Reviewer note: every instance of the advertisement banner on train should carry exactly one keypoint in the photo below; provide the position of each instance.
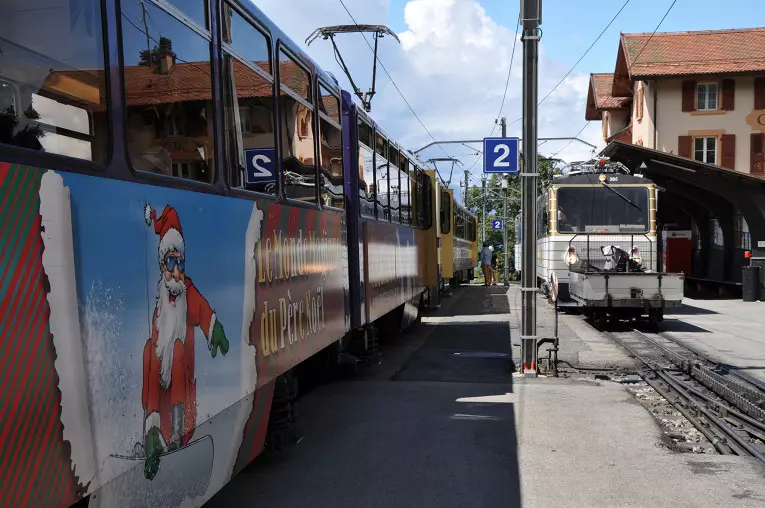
(139, 321)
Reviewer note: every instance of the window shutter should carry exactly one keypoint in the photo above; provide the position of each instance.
(728, 94)
(728, 153)
(684, 146)
(756, 156)
(759, 93)
(640, 104)
(689, 96)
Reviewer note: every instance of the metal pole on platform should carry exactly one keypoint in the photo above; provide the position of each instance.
(483, 212)
(531, 17)
(505, 185)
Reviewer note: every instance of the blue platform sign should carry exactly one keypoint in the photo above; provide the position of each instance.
(496, 224)
(261, 165)
(501, 155)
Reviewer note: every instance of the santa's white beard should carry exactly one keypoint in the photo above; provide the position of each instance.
(171, 324)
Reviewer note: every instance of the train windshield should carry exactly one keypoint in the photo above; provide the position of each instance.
(601, 210)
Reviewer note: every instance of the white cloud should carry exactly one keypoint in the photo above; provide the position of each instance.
(451, 65)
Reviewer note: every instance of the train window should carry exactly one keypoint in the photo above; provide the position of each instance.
(53, 86)
(298, 130)
(381, 177)
(331, 150)
(424, 200)
(366, 170)
(169, 122)
(592, 209)
(248, 105)
(394, 181)
(446, 213)
(196, 10)
(406, 192)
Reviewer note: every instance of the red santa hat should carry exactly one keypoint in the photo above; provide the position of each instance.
(168, 227)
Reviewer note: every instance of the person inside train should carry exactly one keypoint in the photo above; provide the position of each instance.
(486, 254)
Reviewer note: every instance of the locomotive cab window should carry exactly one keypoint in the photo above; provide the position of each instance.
(248, 105)
(169, 123)
(298, 130)
(52, 79)
(601, 210)
(330, 150)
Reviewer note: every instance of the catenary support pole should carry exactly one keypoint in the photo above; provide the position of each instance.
(483, 211)
(531, 17)
(505, 185)
(467, 186)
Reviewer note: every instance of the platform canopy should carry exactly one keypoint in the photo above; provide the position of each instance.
(702, 191)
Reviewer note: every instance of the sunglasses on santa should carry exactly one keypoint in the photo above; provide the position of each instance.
(171, 262)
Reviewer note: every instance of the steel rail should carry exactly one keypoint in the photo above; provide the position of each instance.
(721, 426)
(745, 398)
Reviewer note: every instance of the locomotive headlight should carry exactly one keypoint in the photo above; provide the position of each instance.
(635, 255)
(571, 257)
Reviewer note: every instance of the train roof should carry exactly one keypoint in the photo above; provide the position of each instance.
(277, 34)
(592, 179)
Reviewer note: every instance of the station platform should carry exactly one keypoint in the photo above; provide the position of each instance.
(728, 331)
(445, 422)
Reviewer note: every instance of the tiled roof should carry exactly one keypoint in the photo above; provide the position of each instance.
(601, 84)
(694, 53)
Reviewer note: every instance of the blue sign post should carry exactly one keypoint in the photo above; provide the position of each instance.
(501, 155)
(496, 224)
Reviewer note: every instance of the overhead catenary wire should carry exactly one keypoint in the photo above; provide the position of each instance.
(580, 58)
(652, 34)
(669, 9)
(393, 82)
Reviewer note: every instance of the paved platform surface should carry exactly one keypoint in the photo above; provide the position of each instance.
(443, 423)
(729, 331)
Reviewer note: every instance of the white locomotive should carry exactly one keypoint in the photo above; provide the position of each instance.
(596, 234)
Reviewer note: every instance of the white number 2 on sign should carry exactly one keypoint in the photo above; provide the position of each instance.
(501, 162)
(260, 171)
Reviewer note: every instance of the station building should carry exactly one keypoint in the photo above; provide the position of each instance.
(687, 110)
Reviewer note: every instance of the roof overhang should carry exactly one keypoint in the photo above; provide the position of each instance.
(669, 164)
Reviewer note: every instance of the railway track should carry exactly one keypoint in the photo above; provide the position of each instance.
(727, 406)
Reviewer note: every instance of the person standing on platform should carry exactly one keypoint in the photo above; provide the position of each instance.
(486, 254)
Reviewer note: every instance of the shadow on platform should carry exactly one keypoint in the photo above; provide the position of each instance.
(439, 433)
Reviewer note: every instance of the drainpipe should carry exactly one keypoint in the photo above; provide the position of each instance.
(655, 109)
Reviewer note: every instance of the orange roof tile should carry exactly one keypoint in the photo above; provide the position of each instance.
(601, 84)
(694, 53)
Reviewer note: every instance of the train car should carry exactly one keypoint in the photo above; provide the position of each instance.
(457, 240)
(465, 245)
(596, 230)
(196, 220)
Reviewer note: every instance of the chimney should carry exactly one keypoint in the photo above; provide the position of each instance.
(166, 56)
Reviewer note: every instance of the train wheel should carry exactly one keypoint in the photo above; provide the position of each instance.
(283, 426)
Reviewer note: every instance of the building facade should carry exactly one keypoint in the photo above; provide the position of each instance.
(699, 95)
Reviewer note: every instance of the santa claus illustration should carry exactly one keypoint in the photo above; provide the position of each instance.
(169, 386)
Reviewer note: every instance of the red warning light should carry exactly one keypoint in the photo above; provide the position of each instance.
(748, 254)
(602, 163)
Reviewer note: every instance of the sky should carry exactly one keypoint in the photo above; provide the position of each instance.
(454, 55)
